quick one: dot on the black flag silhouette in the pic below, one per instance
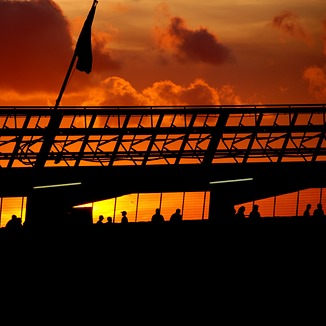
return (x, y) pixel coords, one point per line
(84, 44)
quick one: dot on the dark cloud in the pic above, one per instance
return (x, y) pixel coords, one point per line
(36, 45)
(194, 45)
(288, 23)
(103, 62)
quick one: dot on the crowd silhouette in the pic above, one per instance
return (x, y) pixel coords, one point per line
(234, 216)
(15, 227)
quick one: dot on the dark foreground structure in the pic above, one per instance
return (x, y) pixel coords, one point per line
(106, 152)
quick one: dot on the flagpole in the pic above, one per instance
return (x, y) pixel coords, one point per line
(56, 116)
(72, 63)
(65, 82)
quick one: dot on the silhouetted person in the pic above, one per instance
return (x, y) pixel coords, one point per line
(240, 214)
(14, 225)
(176, 217)
(318, 213)
(109, 220)
(306, 213)
(124, 218)
(157, 217)
(100, 220)
(229, 212)
(254, 215)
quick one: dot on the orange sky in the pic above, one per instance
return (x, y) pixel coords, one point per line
(178, 52)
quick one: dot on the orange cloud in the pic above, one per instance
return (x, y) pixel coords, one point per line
(116, 91)
(324, 35)
(288, 23)
(168, 93)
(191, 45)
(316, 78)
(228, 95)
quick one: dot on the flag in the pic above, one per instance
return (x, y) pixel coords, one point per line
(83, 49)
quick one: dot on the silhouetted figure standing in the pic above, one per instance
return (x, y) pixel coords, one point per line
(318, 213)
(254, 215)
(100, 220)
(176, 217)
(240, 214)
(306, 213)
(109, 220)
(157, 217)
(14, 225)
(124, 218)
(229, 212)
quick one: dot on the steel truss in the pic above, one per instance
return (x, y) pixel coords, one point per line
(112, 136)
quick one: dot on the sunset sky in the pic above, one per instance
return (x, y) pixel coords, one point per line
(148, 52)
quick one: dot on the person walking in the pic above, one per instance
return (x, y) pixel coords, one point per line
(176, 217)
(124, 218)
(318, 213)
(14, 225)
(240, 214)
(157, 217)
(254, 215)
(100, 220)
(306, 213)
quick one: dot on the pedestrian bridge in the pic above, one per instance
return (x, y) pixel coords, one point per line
(112, 151)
